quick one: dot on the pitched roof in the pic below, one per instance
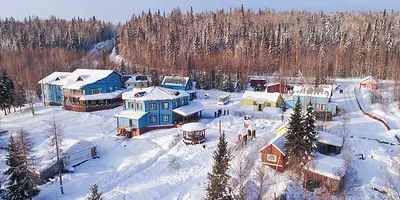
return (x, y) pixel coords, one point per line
(284, 125)
(187, 110)
(369, 77)
(87, 76)
(138, 78)
(330, 139)
(56, 78)
(278, 142)
(261, 96)
(175, 81)
(154, 93)
(100, 96)
(130, 114)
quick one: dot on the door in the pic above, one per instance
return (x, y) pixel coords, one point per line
(130, 123)
(259, 107)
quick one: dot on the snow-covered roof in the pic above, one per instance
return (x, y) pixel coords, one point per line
(78, 151)
(175, 80)
(284, 125)
(87, 76)
(192, 108)
(100, 96)
(261, 96)
(56, 78)
(154, 93)
(327, 166)
(278, 142)
(313, 91)
(224, 96)
(197, 126)
(130, 114)
(369, 77)
(330, 139)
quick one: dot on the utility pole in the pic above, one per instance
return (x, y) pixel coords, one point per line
(220, 129)
(58, 161)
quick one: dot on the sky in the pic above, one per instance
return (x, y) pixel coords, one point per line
(121, 10)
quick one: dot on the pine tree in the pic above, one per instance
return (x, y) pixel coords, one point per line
(6, 92)
(310, 134)
(14, 179)
(294, 138)
(19, 97)
(95, 194)
(217, 187)
(122, 68)
(226, 84)
(238, 87)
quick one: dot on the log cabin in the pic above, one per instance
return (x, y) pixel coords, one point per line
(273, 154)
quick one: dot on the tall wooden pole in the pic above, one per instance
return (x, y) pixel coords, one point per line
(220, 129)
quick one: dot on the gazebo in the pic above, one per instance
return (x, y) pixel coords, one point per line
(194, 133)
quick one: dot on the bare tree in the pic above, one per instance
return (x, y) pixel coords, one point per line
(241, 172)
(392, 190)
(56, 133)
(262, 179)
(350, 180)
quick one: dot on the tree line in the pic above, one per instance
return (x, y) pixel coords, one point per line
(208, 45)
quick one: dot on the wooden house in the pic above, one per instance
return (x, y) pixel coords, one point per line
(154, 108)
(261, 100)
(273, 154)
(324, 171)
(51, 85)
(180, 83)
(320, 98)
(329, 144)
(278, 87)
(138, 81)
(258, 84)
(369, 82)
(281, 130)
(194, 133)
(90, 90)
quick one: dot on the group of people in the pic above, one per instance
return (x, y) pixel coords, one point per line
(220, 112)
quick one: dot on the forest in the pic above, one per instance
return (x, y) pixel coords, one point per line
(209, 46)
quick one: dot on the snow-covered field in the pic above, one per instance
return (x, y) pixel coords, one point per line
(158, 165)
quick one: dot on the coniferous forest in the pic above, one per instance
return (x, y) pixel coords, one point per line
(210, 46)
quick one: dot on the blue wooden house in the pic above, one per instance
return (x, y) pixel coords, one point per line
(51, 85)
(155, 107)
(180, 83)
(90, 90)
(320, 98)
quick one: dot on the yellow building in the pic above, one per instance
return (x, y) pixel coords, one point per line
(261, 100)
(281, 130)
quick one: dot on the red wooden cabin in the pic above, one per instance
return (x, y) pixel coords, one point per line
(273, 154)
(369, 82)
(278, 87)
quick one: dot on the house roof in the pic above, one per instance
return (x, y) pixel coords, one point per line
(324, 92)
(138, 79)
(330, 139)
(88, 76)
(261, 96)
(154, 93)
(278, 142)
(192, 108)
(197, 126)
(327, 166)
(284, 125)
(175, 81)
(110, 95)
(369, 77)
(56, 78)
(130, 114)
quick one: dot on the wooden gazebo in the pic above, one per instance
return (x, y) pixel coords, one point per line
(194, 133)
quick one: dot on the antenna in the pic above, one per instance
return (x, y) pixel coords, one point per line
(301, 74)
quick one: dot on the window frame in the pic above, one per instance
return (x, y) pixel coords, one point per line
(100, 90)
(131, 105)
(165, 119)
(92, 91)
(272, 160)
(139, 106)
(153, 117)
(152, 106)
(163, 105)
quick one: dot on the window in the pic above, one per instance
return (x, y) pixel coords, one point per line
(176, 104)
(138, 106)
(323, 106)
(98, 81)
(58, 98)
(268, 104)
(111, 88)
(165, 105)
(317, 106)
(116, 87)
(165, 118)
(153, 106)
(183, 102)
(153, 118)
(131, 105)
(100, 90)
(92, 91)
(271, 157)
(254, 103)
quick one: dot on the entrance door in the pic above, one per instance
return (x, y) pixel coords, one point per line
(259, 107)
(130, 123)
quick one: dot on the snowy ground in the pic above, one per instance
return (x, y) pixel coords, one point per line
(157, 165)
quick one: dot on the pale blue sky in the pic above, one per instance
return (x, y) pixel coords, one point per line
(122, 10)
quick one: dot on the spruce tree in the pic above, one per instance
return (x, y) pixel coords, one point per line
(226, 84)
(294, 138)
(6, 92)
(122, 68)
(94, 193)
(14, 176)
(19, 97)
(217, 187)
(310, 134)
